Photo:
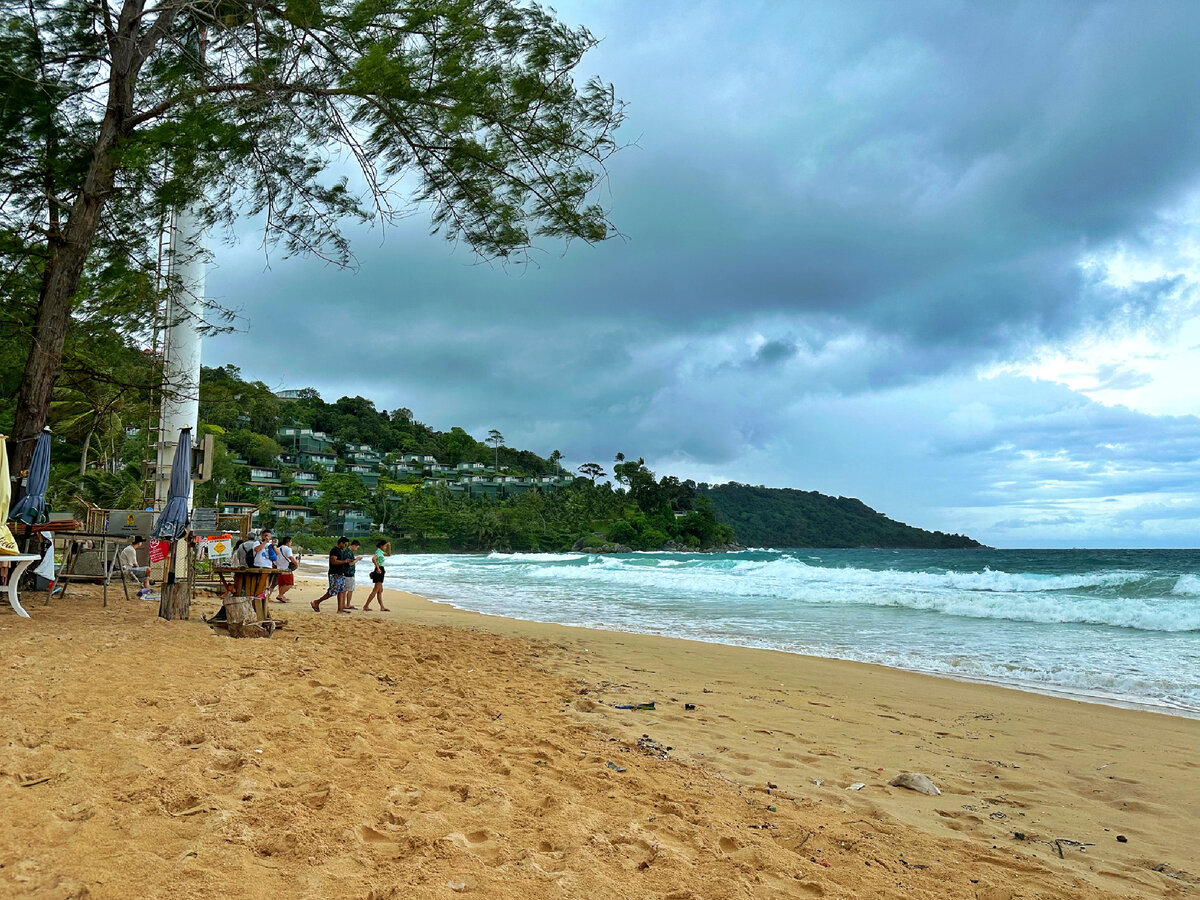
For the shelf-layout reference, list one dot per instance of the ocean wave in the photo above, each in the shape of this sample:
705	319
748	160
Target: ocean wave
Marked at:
1187	586
1131	598
534	557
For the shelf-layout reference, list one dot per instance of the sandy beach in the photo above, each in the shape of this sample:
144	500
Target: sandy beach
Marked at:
431	752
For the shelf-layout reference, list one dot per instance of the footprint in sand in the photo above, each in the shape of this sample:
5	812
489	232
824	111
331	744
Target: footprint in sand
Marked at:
369	835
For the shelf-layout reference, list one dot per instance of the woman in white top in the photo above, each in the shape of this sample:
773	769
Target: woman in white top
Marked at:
284	563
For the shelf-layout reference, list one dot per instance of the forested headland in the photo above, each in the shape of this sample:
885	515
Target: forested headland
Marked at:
785	517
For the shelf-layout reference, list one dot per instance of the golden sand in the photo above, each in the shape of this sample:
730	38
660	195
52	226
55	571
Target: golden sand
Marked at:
430	752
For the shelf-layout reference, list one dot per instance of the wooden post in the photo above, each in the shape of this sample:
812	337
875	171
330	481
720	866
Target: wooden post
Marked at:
176	600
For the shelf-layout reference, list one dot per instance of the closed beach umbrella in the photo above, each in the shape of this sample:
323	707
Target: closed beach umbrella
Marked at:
8	545
172	524
31	508
173	521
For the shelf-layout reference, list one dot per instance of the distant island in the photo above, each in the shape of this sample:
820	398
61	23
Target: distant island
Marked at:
785	517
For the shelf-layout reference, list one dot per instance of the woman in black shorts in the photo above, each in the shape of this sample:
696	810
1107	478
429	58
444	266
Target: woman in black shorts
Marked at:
383	549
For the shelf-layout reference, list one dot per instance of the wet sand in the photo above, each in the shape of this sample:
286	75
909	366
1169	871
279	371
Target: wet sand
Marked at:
431	752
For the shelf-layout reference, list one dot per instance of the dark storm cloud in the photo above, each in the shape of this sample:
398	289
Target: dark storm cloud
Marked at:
932	173
774	351
825	201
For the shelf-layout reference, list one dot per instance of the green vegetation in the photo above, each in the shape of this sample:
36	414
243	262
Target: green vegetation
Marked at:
646	514
99	448
113	114
784	517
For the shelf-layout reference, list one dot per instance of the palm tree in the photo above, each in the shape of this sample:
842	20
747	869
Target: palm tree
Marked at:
592	470
495	438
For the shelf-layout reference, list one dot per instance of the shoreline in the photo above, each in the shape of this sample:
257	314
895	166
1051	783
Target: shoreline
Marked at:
1023	687
1098	699
397	754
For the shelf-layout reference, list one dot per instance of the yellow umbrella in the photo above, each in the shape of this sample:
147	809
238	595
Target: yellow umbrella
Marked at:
8	545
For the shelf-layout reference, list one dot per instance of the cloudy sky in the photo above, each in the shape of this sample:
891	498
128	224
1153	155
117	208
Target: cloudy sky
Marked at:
942	257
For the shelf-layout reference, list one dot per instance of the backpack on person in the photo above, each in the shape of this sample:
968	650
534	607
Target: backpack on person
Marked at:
243	556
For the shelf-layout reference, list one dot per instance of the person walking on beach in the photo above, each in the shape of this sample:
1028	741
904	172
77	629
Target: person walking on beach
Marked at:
285	565
383	549
127	559
338	560
354	558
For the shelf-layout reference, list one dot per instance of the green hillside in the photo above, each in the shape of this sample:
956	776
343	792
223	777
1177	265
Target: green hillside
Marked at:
785	517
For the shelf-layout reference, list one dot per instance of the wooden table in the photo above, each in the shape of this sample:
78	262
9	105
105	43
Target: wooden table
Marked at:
109	562
247	582
17	566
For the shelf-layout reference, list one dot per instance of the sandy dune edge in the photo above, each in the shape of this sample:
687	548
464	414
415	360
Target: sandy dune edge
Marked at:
429	752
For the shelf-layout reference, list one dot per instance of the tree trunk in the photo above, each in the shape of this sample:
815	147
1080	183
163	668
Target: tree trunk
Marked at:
87	444
65	266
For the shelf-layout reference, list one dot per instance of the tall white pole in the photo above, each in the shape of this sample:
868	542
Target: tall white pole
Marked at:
181	348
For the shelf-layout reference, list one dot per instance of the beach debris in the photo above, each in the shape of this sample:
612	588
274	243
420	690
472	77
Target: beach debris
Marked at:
636	706
1121	839
191	811
1019	835
612	765
818	782
456	886
688	707
916	781
1171	872
649	745
858	786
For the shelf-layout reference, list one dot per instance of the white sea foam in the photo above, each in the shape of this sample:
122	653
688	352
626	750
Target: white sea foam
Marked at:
1187	586
535	557
1093	599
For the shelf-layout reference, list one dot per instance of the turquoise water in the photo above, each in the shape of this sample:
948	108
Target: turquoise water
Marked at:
1116	626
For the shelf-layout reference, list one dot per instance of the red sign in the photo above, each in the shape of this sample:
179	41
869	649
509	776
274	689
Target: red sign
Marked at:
159	550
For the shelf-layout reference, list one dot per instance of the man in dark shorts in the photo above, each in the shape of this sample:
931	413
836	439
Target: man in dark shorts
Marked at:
339	558
354	558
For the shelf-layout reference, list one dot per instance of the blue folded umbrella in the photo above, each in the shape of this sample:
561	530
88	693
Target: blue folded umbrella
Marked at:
31	508
173	520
